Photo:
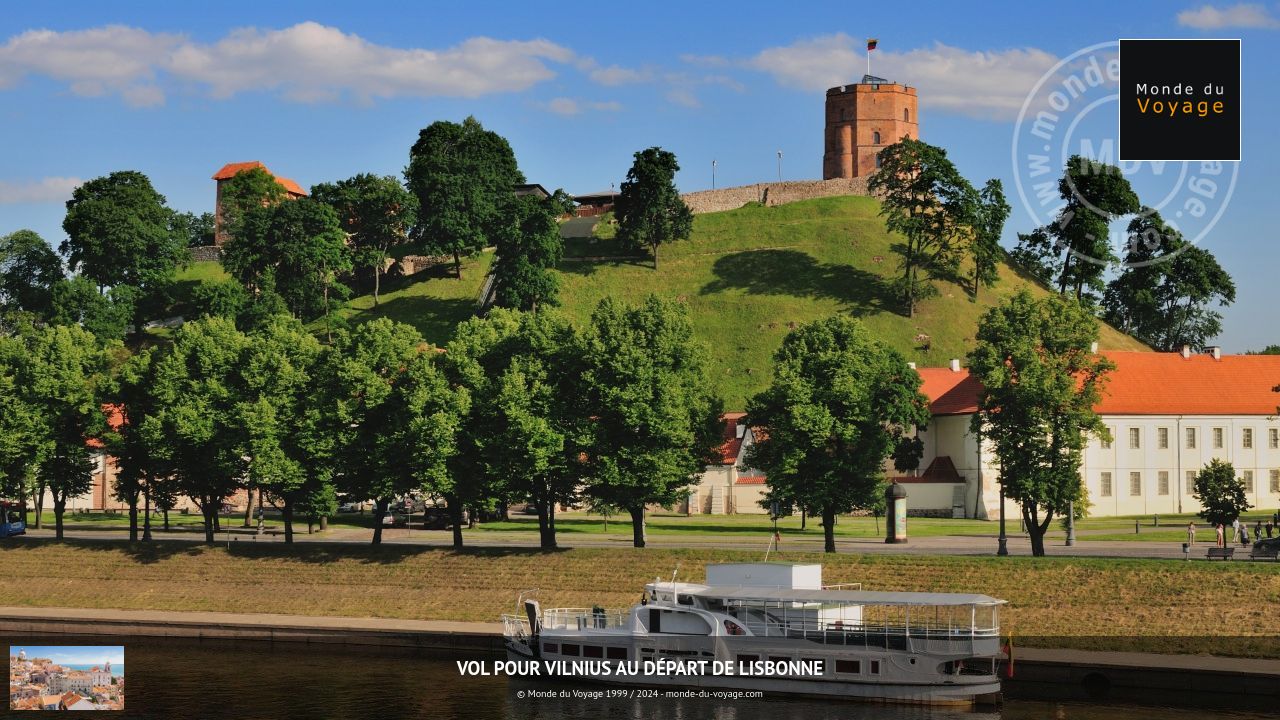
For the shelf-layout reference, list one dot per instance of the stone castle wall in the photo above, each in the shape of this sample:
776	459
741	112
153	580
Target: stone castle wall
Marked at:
773	193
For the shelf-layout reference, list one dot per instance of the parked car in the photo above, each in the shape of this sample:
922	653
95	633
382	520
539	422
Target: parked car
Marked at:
1266	548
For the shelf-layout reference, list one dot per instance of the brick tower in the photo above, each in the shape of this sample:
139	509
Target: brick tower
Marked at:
862	120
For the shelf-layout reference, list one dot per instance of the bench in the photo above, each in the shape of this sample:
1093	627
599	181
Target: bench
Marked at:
1222	553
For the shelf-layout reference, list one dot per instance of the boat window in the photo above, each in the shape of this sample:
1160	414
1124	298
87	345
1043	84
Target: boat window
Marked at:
551	647
569	649
615	653
875	667
592	651
849	667
686	600
733	628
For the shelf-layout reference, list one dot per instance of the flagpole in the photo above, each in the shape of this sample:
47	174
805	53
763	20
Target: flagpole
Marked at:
868	61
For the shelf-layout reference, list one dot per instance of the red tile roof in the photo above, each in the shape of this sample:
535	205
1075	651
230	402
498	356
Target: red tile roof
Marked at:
115	418
732	443
1147	383
750	480
230	170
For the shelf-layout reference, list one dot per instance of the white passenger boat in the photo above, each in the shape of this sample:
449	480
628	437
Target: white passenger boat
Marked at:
771	623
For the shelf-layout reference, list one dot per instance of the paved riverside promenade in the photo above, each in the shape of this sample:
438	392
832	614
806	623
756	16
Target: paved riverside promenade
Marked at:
969	545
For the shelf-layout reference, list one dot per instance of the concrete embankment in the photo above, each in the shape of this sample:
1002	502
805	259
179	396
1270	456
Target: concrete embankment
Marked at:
1043	674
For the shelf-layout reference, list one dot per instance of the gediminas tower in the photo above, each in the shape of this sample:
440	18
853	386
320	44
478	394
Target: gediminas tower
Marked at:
862	120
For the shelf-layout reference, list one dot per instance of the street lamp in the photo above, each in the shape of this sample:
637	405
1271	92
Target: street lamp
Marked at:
1004	539
779	166
1071	523
713	174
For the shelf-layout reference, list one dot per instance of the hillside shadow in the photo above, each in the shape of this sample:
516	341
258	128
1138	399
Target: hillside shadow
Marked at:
794	273
587	267
435	318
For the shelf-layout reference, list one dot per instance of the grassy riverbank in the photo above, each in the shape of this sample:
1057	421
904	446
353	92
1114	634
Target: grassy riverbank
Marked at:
1150	605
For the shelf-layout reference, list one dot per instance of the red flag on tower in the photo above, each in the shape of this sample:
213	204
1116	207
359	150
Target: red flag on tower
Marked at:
871	44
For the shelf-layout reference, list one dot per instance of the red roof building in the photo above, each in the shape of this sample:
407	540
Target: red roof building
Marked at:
292	190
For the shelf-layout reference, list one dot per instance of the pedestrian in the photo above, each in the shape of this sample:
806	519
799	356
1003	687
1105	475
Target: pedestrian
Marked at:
1244	534
1257	531
1235	531
1221	532
1191	533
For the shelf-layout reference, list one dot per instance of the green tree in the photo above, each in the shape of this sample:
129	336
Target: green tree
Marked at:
23	432
358	381
77	301
294	250
1040	383
195	230
376	213
244	192
317	502
1165	293
926	200
195	419
288	449
524	434
1268	350
654	421
1220	493
529	247
119	232
28	271
139	461
462	176
649	209
225	298
64	375
992	212
841	403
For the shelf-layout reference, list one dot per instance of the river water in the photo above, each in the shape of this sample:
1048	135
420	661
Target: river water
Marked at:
247	681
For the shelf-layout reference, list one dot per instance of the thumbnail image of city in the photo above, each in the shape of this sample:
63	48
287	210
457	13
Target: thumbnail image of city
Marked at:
66	677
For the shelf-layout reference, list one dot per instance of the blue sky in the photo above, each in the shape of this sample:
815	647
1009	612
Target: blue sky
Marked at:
74	654
320	92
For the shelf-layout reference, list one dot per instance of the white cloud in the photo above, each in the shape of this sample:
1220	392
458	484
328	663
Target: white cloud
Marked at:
307	62
95	62
1244	15
44	190
683	96
989	85
615	75
569	106
705	60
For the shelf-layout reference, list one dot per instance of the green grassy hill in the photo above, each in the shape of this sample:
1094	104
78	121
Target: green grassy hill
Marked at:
748	276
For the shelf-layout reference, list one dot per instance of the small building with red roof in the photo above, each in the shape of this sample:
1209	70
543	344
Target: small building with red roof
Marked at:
292	190
730	486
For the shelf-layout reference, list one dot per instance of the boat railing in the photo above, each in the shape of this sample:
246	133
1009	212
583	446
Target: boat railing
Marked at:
515	627
888	635
584	619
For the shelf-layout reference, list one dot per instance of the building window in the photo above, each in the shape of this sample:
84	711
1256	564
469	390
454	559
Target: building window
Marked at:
1217	438
1135	483
1191	481
1135	438
1248	481
1162	482
1275	481
1162	438
1106	441
1246	438
1273	439
1191	438
906	115
1106	484
876	137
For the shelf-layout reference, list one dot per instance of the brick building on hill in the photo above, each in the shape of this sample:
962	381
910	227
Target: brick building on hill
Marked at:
861	120
230	170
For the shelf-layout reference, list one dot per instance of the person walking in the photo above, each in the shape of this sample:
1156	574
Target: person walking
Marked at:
1191	534
1257	531
1235	531
1221	533
1244	534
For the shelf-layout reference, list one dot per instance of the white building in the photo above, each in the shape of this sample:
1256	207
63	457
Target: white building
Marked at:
1169	415
730	487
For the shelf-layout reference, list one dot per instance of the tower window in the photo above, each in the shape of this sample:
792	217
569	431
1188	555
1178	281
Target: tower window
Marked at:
906	115
876	137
